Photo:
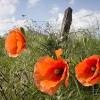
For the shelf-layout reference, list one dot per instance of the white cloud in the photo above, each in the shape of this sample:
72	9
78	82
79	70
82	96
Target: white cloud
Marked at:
54	10
71	2
10	23
7	8
85	18
82	19
59	20
56	21
32	2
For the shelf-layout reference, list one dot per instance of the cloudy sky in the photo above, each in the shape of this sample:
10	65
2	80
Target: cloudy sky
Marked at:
85	12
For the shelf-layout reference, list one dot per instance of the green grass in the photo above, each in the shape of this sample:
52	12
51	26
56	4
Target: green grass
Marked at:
16	82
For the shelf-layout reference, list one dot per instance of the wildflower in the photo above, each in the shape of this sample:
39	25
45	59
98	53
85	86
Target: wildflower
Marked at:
88	71
58	52
15	42
49	73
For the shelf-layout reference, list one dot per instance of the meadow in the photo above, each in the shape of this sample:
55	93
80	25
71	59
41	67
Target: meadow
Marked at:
16	80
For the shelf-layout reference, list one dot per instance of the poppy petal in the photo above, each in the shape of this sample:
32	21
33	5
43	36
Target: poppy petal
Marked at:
67	77
58	52
87	71
44	74
15	42
96	76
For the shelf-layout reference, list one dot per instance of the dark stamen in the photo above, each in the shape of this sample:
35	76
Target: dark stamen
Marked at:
59	71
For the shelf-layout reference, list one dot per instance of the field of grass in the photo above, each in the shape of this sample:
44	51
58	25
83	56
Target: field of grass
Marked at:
16	82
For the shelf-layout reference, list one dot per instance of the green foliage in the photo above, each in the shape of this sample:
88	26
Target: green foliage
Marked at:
16	82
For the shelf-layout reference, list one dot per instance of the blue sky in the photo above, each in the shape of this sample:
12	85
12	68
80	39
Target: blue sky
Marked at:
41	9
86	4
52	10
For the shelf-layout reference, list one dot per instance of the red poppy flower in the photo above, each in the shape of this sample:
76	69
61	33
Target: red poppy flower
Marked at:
15	42
49	73
88	71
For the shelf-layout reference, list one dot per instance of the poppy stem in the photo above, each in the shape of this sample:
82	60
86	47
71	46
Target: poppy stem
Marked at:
76	83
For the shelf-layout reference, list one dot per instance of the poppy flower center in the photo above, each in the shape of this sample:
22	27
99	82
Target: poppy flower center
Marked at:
93	69
58	71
